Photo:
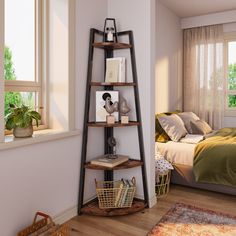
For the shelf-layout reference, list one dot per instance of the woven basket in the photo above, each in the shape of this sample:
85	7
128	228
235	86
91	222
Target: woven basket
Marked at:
163	184
44	227
113	194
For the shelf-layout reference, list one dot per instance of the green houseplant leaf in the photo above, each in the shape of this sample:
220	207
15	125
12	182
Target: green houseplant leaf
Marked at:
21	116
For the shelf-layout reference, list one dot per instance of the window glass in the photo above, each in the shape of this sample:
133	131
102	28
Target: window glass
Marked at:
20	40
20	98
232	65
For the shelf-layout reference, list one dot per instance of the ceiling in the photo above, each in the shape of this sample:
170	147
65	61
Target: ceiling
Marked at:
187	8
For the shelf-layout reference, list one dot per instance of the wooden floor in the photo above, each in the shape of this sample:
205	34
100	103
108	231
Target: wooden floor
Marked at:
141	223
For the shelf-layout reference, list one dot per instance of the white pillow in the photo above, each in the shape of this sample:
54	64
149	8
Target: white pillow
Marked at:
187	117
173	126
200	127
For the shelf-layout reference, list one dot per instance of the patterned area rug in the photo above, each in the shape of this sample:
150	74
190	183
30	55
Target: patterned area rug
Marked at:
186	220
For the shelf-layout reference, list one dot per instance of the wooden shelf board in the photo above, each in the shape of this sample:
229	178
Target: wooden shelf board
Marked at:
126	165
93	209
117	124
111	45
112	84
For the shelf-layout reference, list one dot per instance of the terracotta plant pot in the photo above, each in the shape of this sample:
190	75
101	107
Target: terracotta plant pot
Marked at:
19	132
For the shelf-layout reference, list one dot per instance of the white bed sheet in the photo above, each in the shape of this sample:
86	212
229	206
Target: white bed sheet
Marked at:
176	152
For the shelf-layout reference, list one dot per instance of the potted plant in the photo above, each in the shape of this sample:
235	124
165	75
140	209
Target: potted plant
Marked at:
20	119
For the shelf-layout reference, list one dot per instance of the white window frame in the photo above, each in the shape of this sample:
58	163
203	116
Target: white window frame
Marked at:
228	37
37	84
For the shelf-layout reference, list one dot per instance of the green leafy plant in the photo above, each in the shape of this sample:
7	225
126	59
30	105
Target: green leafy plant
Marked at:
21	116
9	74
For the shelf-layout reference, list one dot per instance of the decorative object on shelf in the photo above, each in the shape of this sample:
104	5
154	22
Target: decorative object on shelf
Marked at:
115	194
115	70
107	161
20	119
112	143
110	32
111	108
124	109
163	174
101	112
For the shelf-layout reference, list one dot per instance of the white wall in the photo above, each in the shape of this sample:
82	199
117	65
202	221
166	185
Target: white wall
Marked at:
139	16
168	87
46	176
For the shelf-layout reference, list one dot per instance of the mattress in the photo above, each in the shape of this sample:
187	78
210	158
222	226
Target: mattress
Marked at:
177	152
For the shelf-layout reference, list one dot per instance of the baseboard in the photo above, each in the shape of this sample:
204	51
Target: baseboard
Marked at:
151	202
66	215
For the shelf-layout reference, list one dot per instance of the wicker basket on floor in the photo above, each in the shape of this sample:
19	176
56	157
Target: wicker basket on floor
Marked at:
44	227
163	184
114	194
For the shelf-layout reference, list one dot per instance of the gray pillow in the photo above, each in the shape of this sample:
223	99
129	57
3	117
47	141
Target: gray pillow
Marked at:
173	126
187	117
200	127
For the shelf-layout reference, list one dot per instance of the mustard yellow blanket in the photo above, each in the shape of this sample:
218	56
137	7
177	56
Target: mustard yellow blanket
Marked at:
215	158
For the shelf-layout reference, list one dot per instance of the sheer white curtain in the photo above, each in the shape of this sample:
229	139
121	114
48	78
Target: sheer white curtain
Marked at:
204	73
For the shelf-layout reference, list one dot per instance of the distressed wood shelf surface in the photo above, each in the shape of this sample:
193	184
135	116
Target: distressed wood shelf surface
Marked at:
117	124
92	208
111	45
112	84
126	165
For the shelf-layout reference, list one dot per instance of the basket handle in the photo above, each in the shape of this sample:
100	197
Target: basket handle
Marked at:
133	181
43	215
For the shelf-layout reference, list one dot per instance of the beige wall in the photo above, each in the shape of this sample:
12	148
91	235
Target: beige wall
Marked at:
168	87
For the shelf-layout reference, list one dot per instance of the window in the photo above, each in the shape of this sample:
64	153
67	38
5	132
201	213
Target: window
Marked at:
22	53
230	74
37	60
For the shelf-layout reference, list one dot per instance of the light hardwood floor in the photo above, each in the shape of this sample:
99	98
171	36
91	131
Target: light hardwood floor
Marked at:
141	223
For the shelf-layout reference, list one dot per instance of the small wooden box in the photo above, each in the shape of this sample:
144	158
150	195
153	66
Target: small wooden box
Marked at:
124	119
110	119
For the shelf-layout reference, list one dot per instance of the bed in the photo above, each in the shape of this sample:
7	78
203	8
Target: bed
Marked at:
181	155
198	162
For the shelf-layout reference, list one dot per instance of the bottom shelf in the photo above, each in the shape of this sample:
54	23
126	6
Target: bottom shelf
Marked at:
92	208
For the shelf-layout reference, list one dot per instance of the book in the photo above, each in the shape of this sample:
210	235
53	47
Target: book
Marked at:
115	70
109	162
112	70
123	197
118	196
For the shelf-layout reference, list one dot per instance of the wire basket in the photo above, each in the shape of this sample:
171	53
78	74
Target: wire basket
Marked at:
115	194
45	226
163	184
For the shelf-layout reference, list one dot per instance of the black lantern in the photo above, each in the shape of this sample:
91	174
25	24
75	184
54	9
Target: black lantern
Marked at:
110	32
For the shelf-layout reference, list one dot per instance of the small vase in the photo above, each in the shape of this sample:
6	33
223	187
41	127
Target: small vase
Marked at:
19	132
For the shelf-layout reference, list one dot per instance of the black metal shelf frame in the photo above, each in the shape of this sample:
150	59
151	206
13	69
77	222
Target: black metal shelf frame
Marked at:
108	131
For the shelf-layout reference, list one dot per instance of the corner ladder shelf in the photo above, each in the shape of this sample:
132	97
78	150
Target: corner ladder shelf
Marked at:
92	207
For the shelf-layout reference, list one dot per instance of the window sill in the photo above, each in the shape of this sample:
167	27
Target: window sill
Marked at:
39	136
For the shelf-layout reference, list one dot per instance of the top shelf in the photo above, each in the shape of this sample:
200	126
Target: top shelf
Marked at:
111	45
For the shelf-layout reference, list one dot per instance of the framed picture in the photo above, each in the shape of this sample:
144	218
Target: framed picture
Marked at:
101	112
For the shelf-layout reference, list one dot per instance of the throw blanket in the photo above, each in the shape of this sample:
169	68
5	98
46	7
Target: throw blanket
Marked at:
215	158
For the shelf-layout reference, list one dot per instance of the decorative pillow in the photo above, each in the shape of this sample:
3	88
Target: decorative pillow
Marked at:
160	135
200	127
173	126
187	117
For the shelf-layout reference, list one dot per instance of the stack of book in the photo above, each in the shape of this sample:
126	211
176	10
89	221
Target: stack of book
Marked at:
125	193
107	161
